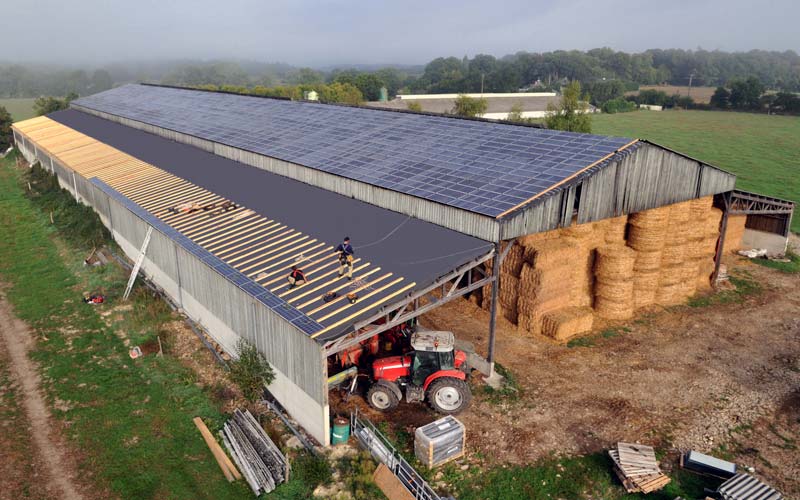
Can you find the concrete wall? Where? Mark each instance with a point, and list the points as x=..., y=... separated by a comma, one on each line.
x=223, y=309
x=774, y=243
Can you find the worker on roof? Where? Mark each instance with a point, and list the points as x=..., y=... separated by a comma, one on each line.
x=296, y=278
x=345, y=258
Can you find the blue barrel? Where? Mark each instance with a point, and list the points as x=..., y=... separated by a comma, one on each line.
x=340, y=432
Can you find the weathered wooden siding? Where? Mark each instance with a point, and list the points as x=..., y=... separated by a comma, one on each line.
x=646, y=177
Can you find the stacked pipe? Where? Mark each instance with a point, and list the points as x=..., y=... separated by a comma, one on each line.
x=614, y=285
x=261, y=462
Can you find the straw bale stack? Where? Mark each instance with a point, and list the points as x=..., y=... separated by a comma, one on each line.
x=714, y=220
x=512, y=263
x=614, y=262
x=614, y=282
x=734, y=232
x=699, y=209
x=553, y=253
x=645, y=286
x=509, y=288
x=646, y=238
x=578, y=231
x=647, y=262
x=671, y=294
x=673, y=254
x=567, y=322
x=650, y=218
x=615, y=230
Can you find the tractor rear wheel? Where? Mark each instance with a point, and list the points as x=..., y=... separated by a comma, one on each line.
x=449, y=395
x=382, y=398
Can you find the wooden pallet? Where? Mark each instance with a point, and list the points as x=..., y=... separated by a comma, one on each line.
x=640, y=472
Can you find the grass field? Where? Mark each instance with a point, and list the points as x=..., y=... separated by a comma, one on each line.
x=763, y=151
x=20, y=109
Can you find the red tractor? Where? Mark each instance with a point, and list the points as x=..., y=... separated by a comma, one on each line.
x=432, y=370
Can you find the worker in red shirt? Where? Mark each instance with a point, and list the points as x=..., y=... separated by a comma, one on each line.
x=296, y=277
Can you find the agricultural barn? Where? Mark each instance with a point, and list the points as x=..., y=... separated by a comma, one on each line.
x=574, y=227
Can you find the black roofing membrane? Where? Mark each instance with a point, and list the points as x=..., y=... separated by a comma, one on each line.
x=417, y=250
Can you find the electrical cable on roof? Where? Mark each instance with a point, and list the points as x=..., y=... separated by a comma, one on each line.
x=385, y=237
x=445, y=256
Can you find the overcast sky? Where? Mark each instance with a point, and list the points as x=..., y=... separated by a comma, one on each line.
x=325, y=32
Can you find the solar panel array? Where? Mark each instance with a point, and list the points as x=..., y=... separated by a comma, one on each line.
x=477, y=166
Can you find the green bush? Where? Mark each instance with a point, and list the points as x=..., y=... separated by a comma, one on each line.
x=618, y=105
x=251, y=372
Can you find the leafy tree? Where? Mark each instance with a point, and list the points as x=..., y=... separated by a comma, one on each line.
x=469, y=106
x=251, y=372
x=618, y=105
x=571, y=113
x=787, y=102
x=653, y=97
x=5, y=129
x=745, y=94
x=414, y=106
x=340, y=92
x=721, y=98
x=392, y=78
x=46, y=105
x=603, y=91
x=515, y=114
x=306, y=76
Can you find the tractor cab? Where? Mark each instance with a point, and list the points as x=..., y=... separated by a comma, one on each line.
x=432, y=370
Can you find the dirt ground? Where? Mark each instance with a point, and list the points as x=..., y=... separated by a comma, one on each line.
x=723, y=379
x=35, y=462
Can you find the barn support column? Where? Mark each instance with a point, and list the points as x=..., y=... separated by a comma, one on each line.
x=493, y=309
x=726, y=199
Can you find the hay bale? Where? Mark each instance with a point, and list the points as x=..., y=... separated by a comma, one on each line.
x=579, y=231
x=553, y=253
x=512, y=264
x=654, y=217
x=669, y=276
x=647, y=238
x=609, y=309
x=617, y=291
x=509, y=313
x=734, y=232
x=614, y=263
x=645, y=286
x=670, y=295
x=509, y=290
x=673, y=255
x=566, y=323
x=714, y=220
x=614, y=231
x=647, y=261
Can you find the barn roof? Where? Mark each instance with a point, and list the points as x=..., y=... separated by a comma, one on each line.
x=481, y=167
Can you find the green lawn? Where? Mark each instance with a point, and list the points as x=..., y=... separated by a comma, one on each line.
x=763, y=151
x=20, y=109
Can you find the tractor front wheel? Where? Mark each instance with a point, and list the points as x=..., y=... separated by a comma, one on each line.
x=382, y=398
x=449, y=395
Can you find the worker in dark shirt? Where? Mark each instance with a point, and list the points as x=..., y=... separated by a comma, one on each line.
x=345, y=251
x=296, y=277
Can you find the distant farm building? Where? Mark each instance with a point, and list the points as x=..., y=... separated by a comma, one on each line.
x=531, y=104
x=574, y=228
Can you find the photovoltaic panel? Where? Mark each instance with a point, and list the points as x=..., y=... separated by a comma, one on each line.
x=482, y=167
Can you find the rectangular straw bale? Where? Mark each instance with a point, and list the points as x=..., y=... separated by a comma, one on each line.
x=714, y=220
x=509, y=289
x=614, y=262
x=566, y=323
x=579, y=231
x=509, y=313
x=512, y=263
x=615, y=230
x=554, y=253
x=735, y=231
